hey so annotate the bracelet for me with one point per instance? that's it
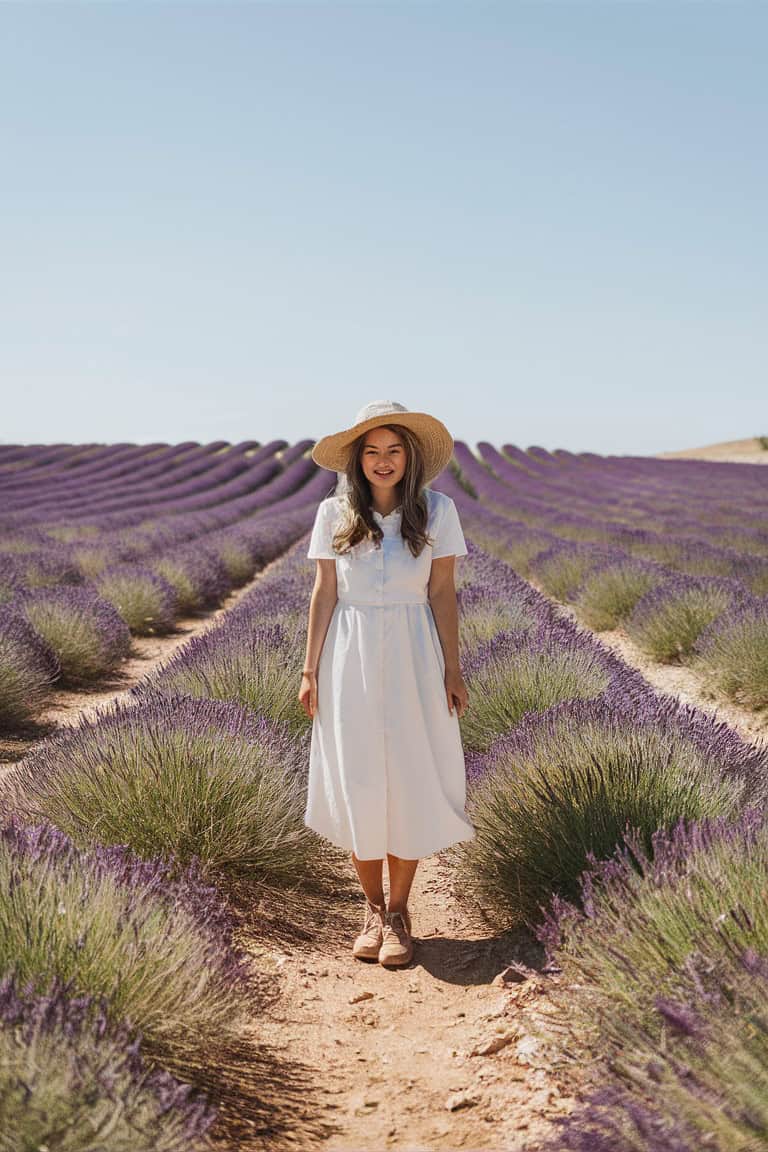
(308, 672)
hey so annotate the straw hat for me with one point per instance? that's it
(436, 441)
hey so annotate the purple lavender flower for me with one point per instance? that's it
(66, 1065)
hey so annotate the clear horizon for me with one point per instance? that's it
(543, 223)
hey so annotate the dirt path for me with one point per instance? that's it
(672, 679)
(437, 1055)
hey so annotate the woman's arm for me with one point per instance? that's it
(321, 606)
(441, 591)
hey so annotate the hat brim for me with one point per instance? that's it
(332, 451)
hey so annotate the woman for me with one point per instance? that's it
(381, 677)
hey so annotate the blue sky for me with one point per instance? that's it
(543, 222)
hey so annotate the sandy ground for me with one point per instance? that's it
(679, 681)
(445, 1053)
(453, 1051)
(748, 451)
(672, 679)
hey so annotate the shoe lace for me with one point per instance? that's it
(372, 915)
(389, 922)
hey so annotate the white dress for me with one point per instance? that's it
(386, 764)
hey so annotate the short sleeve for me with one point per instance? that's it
(449, 538)
(322, 532)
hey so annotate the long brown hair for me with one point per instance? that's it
(359, 523)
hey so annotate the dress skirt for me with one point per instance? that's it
(387, 770)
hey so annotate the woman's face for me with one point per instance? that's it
(383, 458)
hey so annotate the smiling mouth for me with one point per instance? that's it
(384, 473)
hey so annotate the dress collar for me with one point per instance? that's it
(389, 515)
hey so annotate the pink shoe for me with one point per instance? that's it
(367, 944)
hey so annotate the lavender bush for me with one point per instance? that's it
(71, 1080)
(42, 568)
(561, 568)
(28, 666)
(483, 615)
(569, 783)
(91, 559)
(199, 579)
(153, 942)
(609, 592)
(239, 557)
(519, 550)
(516, 673)
(731, 655)
(699, 886)
(197, 779)
(254, 662)
(10, 581)
(88, 635)
(667, 620)
(145, 601)
(704, 1086)
(668, 977)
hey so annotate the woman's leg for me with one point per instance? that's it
(370, 873)
(401, 873)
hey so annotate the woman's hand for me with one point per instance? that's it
(308, 693)
(456, 692)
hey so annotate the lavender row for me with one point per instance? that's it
(155, 804)
(665, 958)
(56, 1047)
(551, 709)
(575, 764)
(604, 504)
(672, 595)
(82, 605)
(103, 955)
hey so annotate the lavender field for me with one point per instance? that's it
(100, 544)
(150, 853)
(676, 551)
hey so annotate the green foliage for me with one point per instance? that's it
(608, 596)
(505, 689)
(163, 972)
(236, 803)
(668, 629)
(539, 812)
(734, 660)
